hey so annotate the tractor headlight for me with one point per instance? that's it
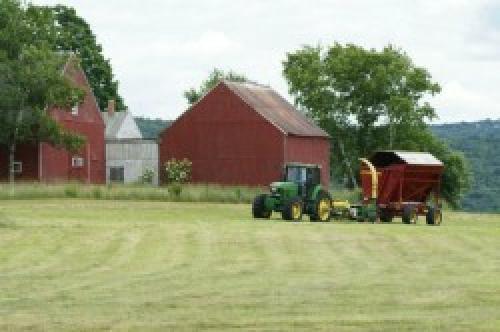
(274, 190)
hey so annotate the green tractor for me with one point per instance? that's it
(300, 192)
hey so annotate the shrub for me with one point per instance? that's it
(175, 189)
(147, 177)
(178, 171)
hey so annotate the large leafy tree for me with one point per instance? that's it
(64, 30)
(30, 81)
(369, 100)
(194, 94)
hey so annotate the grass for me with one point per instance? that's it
(189, 192)
(125, 265)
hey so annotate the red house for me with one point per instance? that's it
(42, 162)
(243, 133)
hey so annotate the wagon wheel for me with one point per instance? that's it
(385, 215)
(409, 215)
(434, 216)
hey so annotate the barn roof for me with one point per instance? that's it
(275, 109)
(385, 158)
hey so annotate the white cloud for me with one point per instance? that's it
(160, 48)
(458, 102)
(210, 43)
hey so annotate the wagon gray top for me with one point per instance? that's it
(384, 158)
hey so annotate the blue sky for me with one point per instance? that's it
(159, 48)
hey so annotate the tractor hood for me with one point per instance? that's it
(282, 186)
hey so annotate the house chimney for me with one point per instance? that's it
(111, 107)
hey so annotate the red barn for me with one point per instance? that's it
(42, 162)
(243, 133)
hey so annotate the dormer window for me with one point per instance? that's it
(74, 110)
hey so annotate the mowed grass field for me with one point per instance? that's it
(101, 265)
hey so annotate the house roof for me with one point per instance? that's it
(120, 125)
(384, 158)
(275, 109)
(113, 123)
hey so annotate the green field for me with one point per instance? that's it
(100, 265)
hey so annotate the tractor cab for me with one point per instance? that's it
(306, 177)
(299, 192)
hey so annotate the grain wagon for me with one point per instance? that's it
(401, 184)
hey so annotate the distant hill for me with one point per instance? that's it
(151, 128)
(480, 142)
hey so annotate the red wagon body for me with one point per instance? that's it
(404, 179)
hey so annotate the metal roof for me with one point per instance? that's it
(383, 158)
(276, 109)
(418, 158)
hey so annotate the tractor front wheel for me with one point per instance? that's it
(293, 209)
(259, 207)
(322, 207)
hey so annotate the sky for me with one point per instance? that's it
(160, 48)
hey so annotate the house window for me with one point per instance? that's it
(74, 110)
(117, 174)
(17, 166)
(77, 162)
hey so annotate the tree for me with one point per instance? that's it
(366, 100)
(30, 81)
(305, 72)
(64, 30)
(193, 95)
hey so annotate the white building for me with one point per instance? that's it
(128, 155)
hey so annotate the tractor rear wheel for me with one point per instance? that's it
(433, 216)
(259, 207)
(409, 214)
(293, 209)
(322, 207)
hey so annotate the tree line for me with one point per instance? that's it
(479, 143)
